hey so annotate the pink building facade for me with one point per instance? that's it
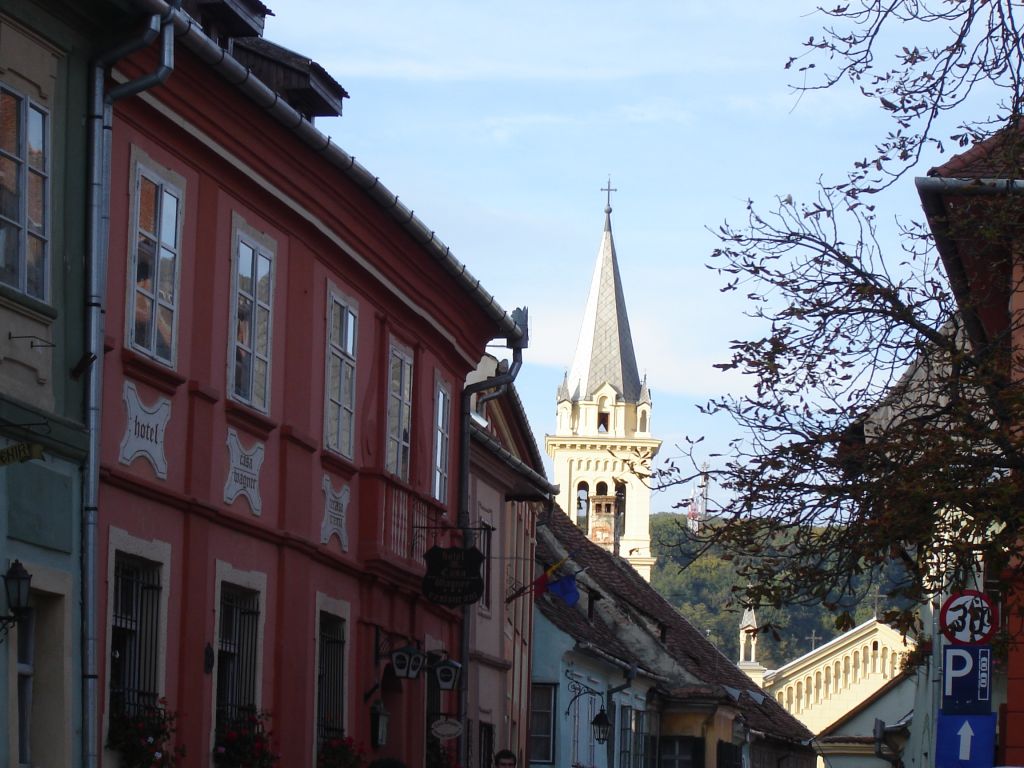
(285, 345)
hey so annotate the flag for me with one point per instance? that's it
(566, 589)
(538, 585)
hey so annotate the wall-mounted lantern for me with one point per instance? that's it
(601, 726)
(447, 674)
(379, 724)
(17, 584)
(407, 661)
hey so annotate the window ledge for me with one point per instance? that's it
(337, 463)
(22, 302)
(150, 372)
(242, 416)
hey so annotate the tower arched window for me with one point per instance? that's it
(643, 421)
(582, 505)
(603, 417)
(602, 488)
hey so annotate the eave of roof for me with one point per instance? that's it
(191, 35)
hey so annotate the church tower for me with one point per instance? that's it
(602, 444)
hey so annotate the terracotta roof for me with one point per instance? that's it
(702, 667)
(996, 157)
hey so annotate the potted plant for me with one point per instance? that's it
(144, 739)
(244, 742)
(340, 753)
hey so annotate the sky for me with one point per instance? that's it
(498, 125)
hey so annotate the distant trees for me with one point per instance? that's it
(882, 440)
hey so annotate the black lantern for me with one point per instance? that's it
(17, 583)
(601, 726)
(447, 674)
(378, 724)
(407, 661)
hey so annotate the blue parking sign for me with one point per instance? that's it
(965, 741)
(967, 679)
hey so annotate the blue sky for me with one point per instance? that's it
(499, 123)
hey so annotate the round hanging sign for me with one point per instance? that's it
(446, 728)
(968, 618)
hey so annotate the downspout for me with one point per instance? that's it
(499, 382)
(100, 127)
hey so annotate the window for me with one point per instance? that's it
(134, 636)
(442, 419)
(542, 723)
(237, 654)
(681, 752)
(486, 745)
(341, 374)
(26, 673)
(399, 411)
(155, 259)
(729, 755)
(625, 737)
(486, 532)
(24, 194)
(330, 682)
(251, 319)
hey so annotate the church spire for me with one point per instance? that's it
(604, 352)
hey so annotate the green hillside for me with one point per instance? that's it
(703, 594)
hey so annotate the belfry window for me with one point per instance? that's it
(582, 505)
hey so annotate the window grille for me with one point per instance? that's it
(330, 721)
(625, 737)
(236, 654)
(681, 752)
(486, 745)
(134, 636)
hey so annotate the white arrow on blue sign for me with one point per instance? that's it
(965, 741)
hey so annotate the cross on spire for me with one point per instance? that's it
(609, 189)
(814, 638)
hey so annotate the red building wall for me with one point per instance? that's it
(233, 161)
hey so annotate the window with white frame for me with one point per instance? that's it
(442, 421)
(341, 374)
(237, 654)
(155, 259)
(251, 318)
(399, 411)
(24, 194)
(542, 723)
(330, 681)
(134, 636)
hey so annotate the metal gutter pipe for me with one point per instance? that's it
(517, 345)
(100, 127)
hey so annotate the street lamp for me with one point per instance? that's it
(17, 583)
(601, 726)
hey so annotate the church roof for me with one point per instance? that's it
(604, 352)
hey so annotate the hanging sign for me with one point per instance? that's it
(446, 728)
(453, 575)
(19, 452)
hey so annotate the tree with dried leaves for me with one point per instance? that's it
(882, 435)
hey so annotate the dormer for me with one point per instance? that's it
(223, 20)
(300, 81)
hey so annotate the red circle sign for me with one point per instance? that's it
(968, 618)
